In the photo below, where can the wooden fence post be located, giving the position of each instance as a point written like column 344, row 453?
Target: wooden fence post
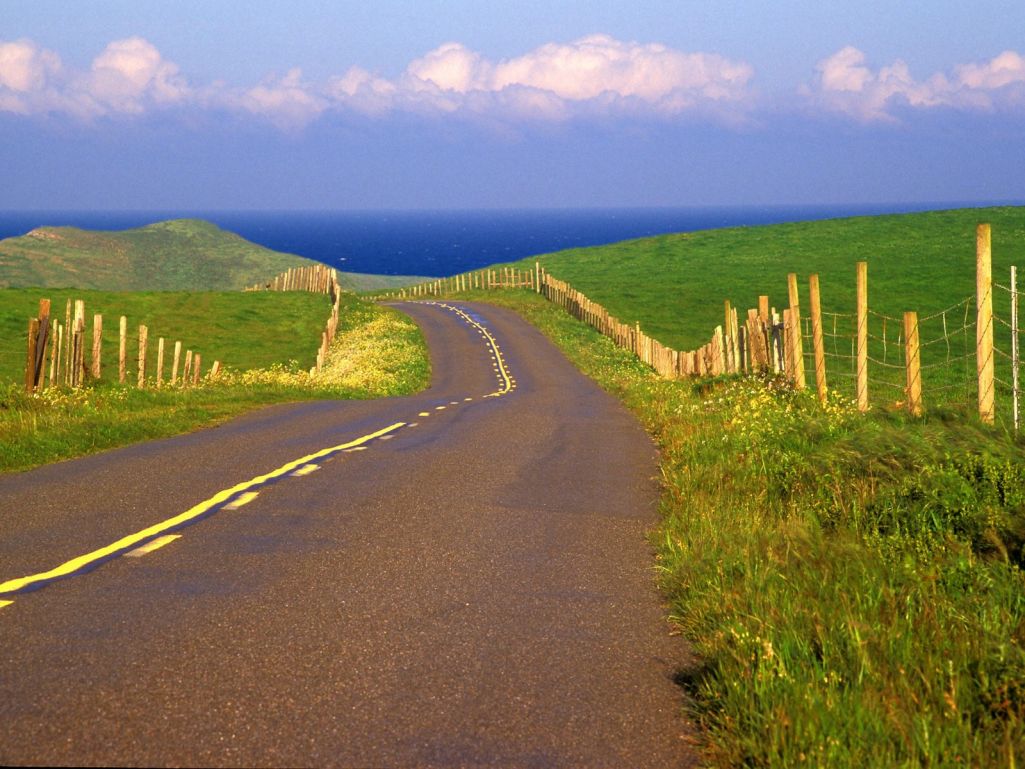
column 861, row 387
column 97, row 345
column 30, row 356
column 984, row 321
column 68, row 344
column 197, row 362
column 175, row 361
column 45, row 334
column 78, row 370
column 912, row 364
column 143, row 339
column 816, row 336
column 1015, row 353
column 795, row 320
column 160, row 362
column 122, row 351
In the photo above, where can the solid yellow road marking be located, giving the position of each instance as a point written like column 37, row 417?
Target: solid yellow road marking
column 242, row 499
column 154, row 544
column 306, row 470
column 127, row 542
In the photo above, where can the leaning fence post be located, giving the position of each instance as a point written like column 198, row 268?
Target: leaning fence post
column 816, row 336
column 861, row 387
column 984, row 320
column 912, row 363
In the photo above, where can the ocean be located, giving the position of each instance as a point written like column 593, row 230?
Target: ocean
column 439, row 243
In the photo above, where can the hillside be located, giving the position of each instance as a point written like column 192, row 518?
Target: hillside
column 675, row 284
column 176, row 255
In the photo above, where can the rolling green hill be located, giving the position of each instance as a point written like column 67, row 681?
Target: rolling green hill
column 675, row 284
column 176, row 255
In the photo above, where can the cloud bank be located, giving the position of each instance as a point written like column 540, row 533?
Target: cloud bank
column 846, row 85
column 591, row 78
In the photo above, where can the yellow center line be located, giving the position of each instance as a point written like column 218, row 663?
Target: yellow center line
column 306, row 470
column 132, row 540
column 5, row 603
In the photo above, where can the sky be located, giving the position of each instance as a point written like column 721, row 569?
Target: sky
column 317, row 104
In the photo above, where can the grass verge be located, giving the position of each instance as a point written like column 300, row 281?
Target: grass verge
column 62, row 423
column 853, row 584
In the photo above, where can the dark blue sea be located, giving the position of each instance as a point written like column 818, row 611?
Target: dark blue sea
column 439, row 243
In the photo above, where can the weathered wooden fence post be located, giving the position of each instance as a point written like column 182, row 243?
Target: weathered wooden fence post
column 1015, row 353
column 122, row 351
column 861, row 372
column 143, row 339
column 816, row 337
column 984, row 321
column 795, row 322
column 96, row 366
column 160, row 362
column 30, row 355
column 912, row 363
column 175, row 362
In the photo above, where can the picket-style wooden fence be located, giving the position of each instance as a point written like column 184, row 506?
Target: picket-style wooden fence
column 57, row 353
column 318, row 279
column 61, row 354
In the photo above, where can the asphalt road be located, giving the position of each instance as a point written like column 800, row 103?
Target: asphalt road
column 471, row 587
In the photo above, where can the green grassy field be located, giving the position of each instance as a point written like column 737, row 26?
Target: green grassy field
column 267, row 340
column 852, row 584
column 675, row 286
column 242, row 330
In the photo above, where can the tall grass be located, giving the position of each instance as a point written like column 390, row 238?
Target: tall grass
column 853, row 584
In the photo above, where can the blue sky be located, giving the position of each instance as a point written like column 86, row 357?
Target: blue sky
column 316, row 104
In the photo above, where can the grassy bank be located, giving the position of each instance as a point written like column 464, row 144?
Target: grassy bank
column 852, row 583
column 61, row 423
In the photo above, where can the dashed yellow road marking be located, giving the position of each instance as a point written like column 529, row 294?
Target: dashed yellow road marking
column 242, row 499
column 153, row 544
column 5, row 603
column 305, row 470
column 439, row 408
column 132, row 541
column 424, row 414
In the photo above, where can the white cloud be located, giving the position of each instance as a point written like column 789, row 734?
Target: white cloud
column 593, row 69
column 27, row 76
column 128, row 77
column 287, row 101
column 846, row 84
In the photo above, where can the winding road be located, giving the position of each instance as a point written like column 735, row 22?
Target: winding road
column 457, row 578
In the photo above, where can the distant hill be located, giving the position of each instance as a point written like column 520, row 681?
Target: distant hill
column 176, row 255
